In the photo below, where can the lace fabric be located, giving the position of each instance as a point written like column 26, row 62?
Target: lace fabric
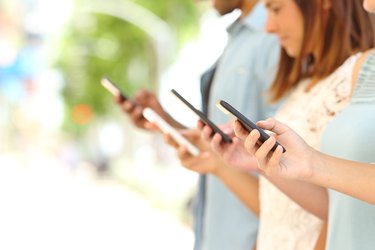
column 283, row 223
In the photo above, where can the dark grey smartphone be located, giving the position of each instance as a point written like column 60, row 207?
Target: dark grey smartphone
column 203, row 117
column 113, row 88
column 245, row 122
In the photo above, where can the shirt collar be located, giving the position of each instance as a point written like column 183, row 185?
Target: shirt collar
column 256, row 20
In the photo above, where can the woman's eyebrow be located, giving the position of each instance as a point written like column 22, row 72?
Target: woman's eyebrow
column 269, row 3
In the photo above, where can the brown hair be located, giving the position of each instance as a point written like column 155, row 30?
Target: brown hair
column 346, row 29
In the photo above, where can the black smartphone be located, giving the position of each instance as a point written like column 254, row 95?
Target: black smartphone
column 113, row 88
column 203, row 117
column 245, row 122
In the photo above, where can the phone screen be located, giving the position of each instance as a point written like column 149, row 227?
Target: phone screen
column 245, row 122
column 203, row 117
column 113, row 88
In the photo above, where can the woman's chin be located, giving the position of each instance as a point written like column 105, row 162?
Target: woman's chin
column 369, row 5
column 291, row 52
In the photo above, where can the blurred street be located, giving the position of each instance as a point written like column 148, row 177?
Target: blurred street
column 43, row 205
column 75, row 173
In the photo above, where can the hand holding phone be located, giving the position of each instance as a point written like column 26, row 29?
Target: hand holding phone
column 245, row 122
column 113, row 88
column 202, row 117
column 153, row 117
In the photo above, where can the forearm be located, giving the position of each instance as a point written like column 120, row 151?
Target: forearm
column 244, row 185
column 312, row 198
column 349, row 177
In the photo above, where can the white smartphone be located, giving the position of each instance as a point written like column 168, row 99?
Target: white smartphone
column 113, row 88
column 153, row 117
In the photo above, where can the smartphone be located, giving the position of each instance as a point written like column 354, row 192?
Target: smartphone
column 245, row 122
column 113, row 88
column 153, row 117
column 203, row 117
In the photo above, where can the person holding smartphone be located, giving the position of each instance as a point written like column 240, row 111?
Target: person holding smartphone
column 247, row 65
column 316, row 76
column 344, row 167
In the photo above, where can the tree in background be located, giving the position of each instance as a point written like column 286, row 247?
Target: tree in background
column 132, row 42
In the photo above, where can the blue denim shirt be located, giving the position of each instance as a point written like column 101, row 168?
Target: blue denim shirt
column 243, row 74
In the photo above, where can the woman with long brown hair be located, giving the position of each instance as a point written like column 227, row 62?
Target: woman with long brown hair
column 322, row 43
column 346, row 166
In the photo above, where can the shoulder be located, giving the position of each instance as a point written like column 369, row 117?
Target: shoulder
column 358, row 65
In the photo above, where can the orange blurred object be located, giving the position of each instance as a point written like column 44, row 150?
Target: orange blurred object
column 82, row 114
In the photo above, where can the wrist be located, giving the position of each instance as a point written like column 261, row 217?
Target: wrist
column 314, row 165
column 219, row 170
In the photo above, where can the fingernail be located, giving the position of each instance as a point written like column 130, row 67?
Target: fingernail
column 271, row 140
column 252, row 133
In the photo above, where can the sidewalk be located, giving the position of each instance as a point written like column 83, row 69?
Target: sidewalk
column 44, row 207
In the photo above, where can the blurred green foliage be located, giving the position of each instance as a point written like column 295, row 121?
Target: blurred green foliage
column 94, row 45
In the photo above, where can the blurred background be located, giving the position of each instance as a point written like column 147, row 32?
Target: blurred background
column 74, row 172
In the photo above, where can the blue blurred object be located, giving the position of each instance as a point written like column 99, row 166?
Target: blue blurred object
column 28, row 64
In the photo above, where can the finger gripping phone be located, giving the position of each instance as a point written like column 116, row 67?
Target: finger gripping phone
column 203, row 117
column 113, row 88
column 153, row 117
column 245, row 122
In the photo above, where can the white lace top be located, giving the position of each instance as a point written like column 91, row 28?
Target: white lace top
column 285, row 225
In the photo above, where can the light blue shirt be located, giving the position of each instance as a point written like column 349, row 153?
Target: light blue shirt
column 243, row 74
column 351, row 135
